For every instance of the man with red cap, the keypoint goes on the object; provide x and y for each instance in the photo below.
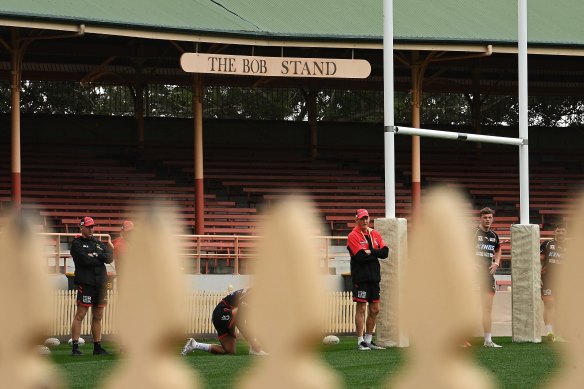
(366, 247)
(120, 242)
(90, 256)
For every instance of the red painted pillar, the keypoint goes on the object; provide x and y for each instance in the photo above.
(199, 188)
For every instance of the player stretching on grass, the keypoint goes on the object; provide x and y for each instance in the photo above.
(226, 317)
(488, 253)
(551, 253)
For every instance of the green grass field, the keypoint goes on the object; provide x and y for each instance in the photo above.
(514, 366)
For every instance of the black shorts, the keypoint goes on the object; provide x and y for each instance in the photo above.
(366, 292)
(487, 280)
(546, 287)
(224, 320)
(91, 296)
(488, 284)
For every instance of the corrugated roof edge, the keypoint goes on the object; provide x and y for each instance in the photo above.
(164, 28)
(277, 36)
(499, 42)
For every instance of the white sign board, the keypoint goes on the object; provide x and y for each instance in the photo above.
(274, 66)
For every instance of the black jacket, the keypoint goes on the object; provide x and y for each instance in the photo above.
(365, 267)
(90, 256)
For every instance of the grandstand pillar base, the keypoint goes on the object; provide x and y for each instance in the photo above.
(526, 275)
(390, 330)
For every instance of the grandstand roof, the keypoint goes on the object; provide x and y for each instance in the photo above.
(123, 36)
(555, 23)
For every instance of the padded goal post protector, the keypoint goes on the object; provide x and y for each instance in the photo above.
(527, 306)
(390, 330)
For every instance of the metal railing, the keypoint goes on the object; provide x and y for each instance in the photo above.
(57, 254)
(235, 248)
(203, 249)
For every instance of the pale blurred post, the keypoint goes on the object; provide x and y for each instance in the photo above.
(526, 275)
(390, 330)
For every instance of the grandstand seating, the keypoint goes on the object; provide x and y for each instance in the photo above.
(62, 183)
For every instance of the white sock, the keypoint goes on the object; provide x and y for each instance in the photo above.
(203, 346)
(548, 328)
(359, 339)
(368, 338)
(488, 337)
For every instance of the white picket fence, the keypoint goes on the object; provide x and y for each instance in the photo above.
(339, 312)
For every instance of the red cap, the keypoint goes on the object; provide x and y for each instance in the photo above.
(127, 225)
(86, 222)
(361, 213)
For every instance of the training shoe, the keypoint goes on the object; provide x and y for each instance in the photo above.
(550, 337)
(491, 344)
(76, 352)
(363, 346)
(373, 346)
(189, 346)
(100, 351)
(261, 352)
(553, 338)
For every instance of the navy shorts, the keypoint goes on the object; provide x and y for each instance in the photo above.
(366, 292)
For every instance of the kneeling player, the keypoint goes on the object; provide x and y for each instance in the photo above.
(225, 320)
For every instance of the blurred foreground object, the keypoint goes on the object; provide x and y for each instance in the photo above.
(441, 303)
(287, 304)
(569, 307)
(152, 297)
(25, 314)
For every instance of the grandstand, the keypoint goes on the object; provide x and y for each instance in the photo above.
(99, 117)
(105, 121)
(64, 182)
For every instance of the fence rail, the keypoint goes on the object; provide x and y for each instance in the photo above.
(339, 313)
(205, 251)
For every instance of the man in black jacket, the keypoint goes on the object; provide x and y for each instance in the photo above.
(90, 256)
(366, 247)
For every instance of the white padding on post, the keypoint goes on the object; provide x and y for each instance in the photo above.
(390, 330)
(526, 278)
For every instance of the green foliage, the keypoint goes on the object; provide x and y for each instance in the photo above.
(224, 102)
(252, 103)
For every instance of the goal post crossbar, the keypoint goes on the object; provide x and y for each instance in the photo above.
(461, 136)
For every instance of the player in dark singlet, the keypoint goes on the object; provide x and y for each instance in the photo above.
(551, 254)
(488, 256)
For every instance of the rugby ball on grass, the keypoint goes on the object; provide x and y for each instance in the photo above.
(52, 342)
(330, 339)
(43, 350)
(81, 341)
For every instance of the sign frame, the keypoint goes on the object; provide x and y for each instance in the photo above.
(242, 65)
